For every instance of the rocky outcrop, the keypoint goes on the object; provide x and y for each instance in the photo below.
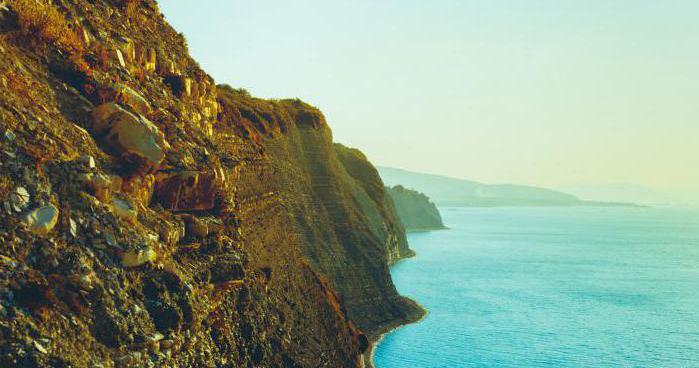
(132, 136)
(415, 210)
(153, 219)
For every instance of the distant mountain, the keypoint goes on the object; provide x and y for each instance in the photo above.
(446, 191)
(621, 192)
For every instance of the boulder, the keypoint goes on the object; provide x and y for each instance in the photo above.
(187, 191)
(41, 220)
(136, 138)
(102, 186)
(196, 227)
(199, 227)
(138, 257)
(124, 210)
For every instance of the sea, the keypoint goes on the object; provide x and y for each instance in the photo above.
(551, 287)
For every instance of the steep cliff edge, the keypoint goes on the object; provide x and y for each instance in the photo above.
(415, 210)
(343, 218)
(378, 207)
(150, 219)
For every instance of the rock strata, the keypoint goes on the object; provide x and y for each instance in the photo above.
(188, 191)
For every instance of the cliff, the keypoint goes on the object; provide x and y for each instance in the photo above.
(382, 216)
(415, 209)
(344, 221)
(151, 218)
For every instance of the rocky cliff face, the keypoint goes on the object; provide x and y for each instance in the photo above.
(376, 203)
(150, 218)
(341, 217)
(415, 210)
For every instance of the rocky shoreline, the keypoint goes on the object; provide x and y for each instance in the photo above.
(368, 358)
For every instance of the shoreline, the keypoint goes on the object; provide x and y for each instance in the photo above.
(425, 229)
(368, 356)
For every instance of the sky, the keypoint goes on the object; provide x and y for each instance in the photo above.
(554, 93)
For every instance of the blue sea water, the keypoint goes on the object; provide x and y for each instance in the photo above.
(552, 287)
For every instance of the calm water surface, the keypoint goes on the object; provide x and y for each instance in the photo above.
(552, 287)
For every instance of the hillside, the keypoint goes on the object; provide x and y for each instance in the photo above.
(623, 193)
(446, 191)
(153, 218)
(415, 210)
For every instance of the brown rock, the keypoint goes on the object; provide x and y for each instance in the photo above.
(167, 344)
(128, 97)
(140, 189)
(103, 186)
(187, 191)
(197, 227)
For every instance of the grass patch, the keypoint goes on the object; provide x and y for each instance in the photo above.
(40, 20)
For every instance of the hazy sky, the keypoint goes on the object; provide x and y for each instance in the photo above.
(542, 92)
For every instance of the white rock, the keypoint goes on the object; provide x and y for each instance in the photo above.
(102, 185)
(130, 134)
(10, 135)
(138, 257)
(40, 348)
(121, 58)
(124, 210)
(73, 228)
(20, 199)
(41, 220)
(88, 161)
